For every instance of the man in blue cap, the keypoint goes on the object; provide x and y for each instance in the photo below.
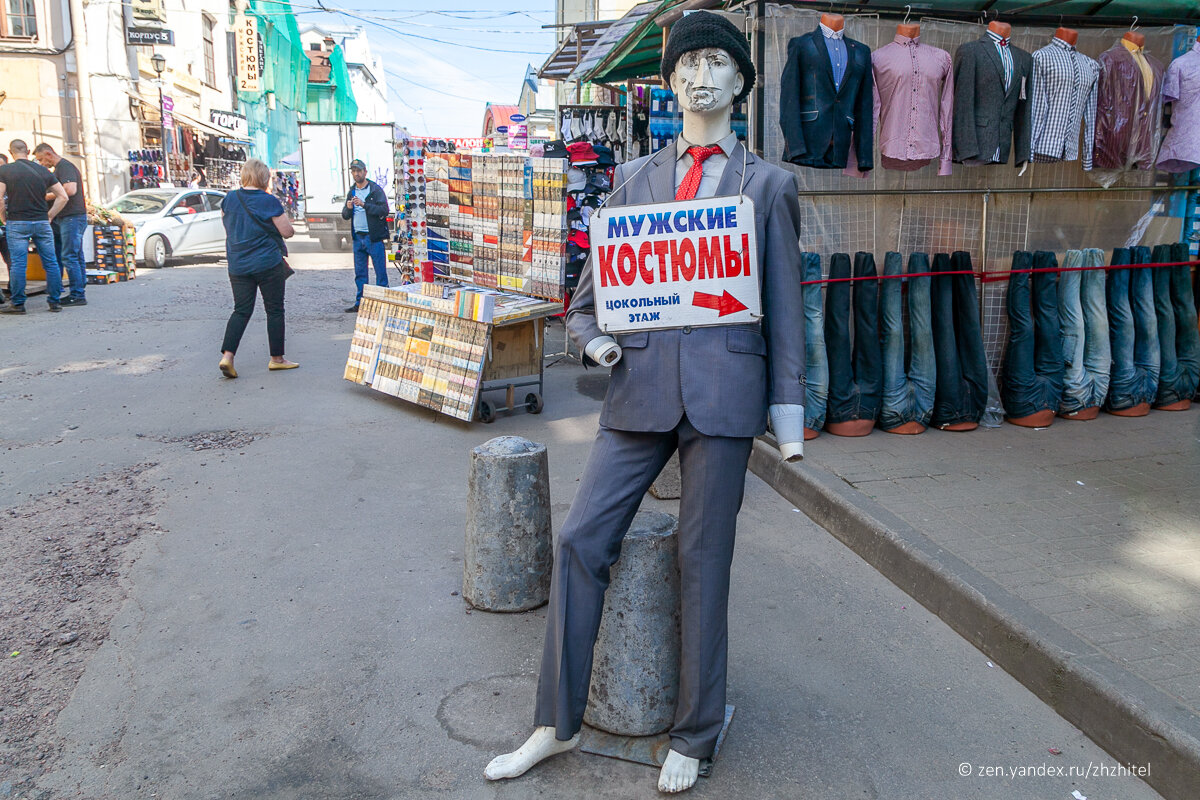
(367, 207)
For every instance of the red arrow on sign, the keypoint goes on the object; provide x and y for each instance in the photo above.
(724, 304)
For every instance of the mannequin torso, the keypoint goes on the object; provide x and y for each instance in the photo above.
(908, 31)
(1001, 29)
(1067, 35)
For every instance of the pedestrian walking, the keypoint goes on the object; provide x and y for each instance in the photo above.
(367, 206)
(3, 237)
(255, 227)
(70, 223)
(27, 217)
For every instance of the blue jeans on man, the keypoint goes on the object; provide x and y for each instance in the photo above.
(68, 243)
(1083, 321)
(855, 369)
(1178, 338)
(364, 248)
(1133, 328)
(20, 234)
(908, 385)
(1032, 371)
(816, 393)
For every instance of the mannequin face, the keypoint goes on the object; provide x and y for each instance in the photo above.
(706, 80)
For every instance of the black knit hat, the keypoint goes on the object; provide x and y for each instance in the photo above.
(701, 29)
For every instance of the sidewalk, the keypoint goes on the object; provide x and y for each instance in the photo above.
(1071, 555)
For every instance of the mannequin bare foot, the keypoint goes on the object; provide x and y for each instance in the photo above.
(679, 773)
(538, 747)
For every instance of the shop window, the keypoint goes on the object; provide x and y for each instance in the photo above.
(210, 63)
(18, 19)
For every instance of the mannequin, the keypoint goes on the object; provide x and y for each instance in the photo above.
(835, 22)
(708, 64)
(1001, 29)
(1067, 35)
(908, 30)
(1135, 38)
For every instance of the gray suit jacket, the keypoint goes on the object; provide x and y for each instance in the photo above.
(722, 377)
(985, 116)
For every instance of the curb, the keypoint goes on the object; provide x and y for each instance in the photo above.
(1135, 722)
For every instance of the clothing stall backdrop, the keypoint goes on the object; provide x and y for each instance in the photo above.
(989, 211)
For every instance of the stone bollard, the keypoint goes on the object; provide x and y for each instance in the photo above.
(669, 483)
(635, 672)
(508, 555)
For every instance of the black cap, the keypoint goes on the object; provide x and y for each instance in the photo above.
(701, 29)
(358, 163)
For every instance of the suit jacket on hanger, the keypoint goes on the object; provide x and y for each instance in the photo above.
(1127, 119)
(818, 120)
(987, 119)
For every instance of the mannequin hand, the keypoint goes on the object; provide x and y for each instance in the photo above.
(1024, 167)
(787, 421)
(604, 350)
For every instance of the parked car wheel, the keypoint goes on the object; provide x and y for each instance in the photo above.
(156, 252)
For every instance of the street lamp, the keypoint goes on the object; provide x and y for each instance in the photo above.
(160, 66)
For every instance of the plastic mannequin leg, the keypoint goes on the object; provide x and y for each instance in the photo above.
(1082, 415)
(907, 429)
(853, 427)
(1139, 410)
(1041, 419)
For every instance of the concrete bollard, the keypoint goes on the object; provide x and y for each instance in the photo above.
(508, 554)
(635, 672)
(669, 483)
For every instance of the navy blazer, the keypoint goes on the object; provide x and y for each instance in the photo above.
(723, 377)
(819, 120)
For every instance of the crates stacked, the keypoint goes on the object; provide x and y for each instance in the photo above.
(485, 186)
(112, 252)
(462, 217)
(549, 230)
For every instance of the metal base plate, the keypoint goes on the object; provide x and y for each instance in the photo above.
(648, 750)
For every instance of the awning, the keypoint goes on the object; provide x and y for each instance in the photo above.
(204, 126)
(630, 48)
(1149, 12)
(579, 42)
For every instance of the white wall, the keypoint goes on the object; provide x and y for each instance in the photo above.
(367, 77)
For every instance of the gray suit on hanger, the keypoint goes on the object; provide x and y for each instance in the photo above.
(987, 118)
(703, 391)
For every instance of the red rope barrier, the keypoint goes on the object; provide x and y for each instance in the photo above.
(996, 277)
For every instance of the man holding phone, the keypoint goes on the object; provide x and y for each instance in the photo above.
(367, 207)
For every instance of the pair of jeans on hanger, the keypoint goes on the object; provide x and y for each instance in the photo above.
(855, 369)
(817, 369)
(1178, 338)
(1133, 330)
(962, 371)
(908, 384)
(1031, 375)
(1083, 320)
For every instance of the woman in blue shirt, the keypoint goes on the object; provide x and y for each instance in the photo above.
(255, 227)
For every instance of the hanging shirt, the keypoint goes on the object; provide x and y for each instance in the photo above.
(836, 46)
(1006, 58)
(1128, 120)
(1064, 98)
(1139, 56)
(713, 167)
(914, 104)
(1181, 86)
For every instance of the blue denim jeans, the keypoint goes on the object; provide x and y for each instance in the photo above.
(817, 370)
(1178, 339)
(20, 233)
(1083, 320)
(908, 384)
(962, 370)
(1133, 329)
(364, 248)
(855, 371)
(68, 246)
(1031, 377)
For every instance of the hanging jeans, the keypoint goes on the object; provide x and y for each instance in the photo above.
(817, 370)
(1178, 338)
(1083, 320)
(908, 386)
(1031, 377)
(1133, 329)
(962, 371)
(855, 372)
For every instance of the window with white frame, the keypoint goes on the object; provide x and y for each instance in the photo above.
(18, 19)
(210, 63)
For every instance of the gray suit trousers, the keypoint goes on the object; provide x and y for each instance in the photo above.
(619, 471)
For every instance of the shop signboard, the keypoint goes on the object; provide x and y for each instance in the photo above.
(249, 55)
(230, 120)
(672, 265)
(148, 36)
(168, 105)
(516, 117)
(149, 10)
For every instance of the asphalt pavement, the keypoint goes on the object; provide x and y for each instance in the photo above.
(294, 629)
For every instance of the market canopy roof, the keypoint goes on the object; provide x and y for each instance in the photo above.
(630, 48)
(578, 43)
(1147, 11)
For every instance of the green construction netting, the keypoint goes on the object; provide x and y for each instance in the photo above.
(285, 76)
(333, 102)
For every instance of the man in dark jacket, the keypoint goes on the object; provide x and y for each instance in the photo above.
(367, 208)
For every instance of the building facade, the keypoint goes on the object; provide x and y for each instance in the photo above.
(368, 81)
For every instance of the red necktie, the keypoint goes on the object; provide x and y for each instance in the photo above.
(691, 181)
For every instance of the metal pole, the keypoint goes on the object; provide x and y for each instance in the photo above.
(162, 133)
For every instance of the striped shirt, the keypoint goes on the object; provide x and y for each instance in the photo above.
(1006, 58)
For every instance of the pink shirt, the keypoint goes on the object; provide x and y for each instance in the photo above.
(1181, 87)
(914, 104)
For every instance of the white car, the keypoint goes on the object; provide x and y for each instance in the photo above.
(173, 222)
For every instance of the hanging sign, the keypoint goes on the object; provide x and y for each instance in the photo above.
(516, 117)
(148, 36)
(168, 105)
(249, 63)
(151, 10)
(501, 129)
(670, 265)
(229, 120)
